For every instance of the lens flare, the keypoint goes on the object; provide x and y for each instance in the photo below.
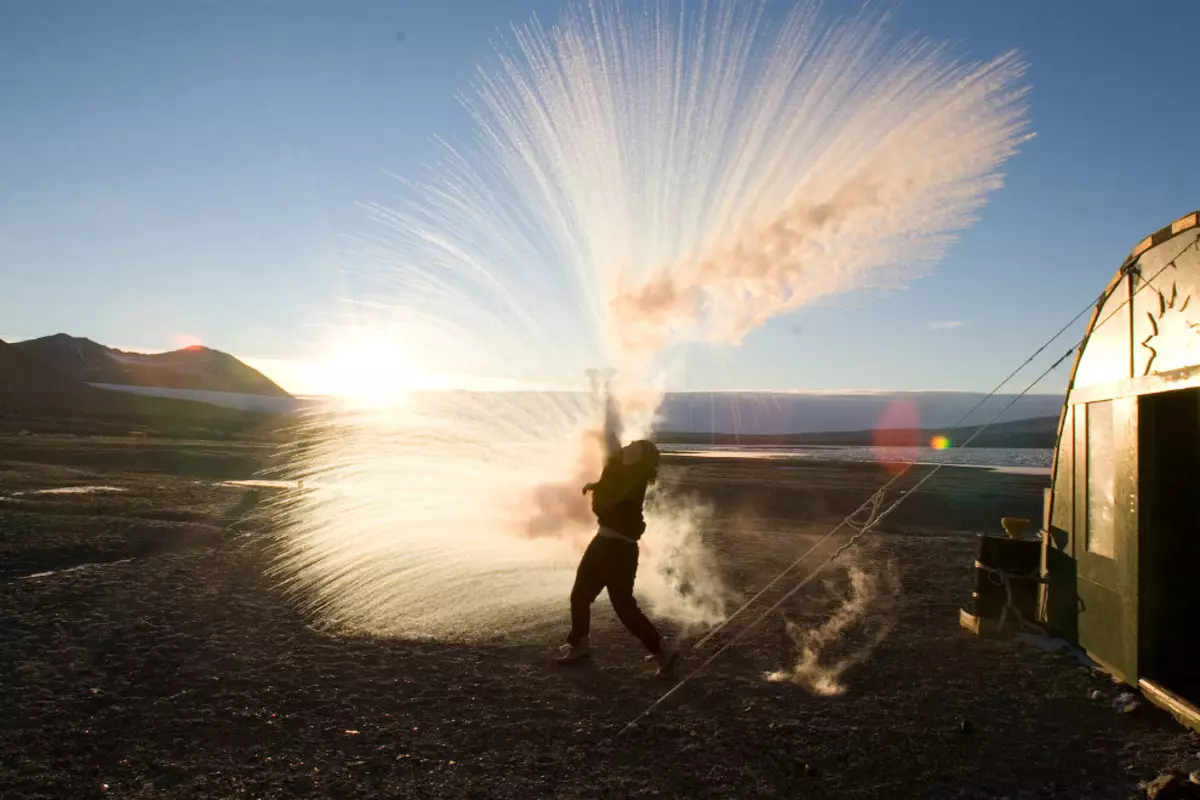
(185, 341)
(898, 432)
(939, 442)
(640, 177)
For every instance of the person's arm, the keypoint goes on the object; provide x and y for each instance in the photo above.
(612, 424)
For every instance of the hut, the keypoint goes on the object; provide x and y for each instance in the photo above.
(1121, 549)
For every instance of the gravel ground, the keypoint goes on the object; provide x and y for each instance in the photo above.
(181, 673)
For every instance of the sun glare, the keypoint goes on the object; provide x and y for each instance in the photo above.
(371, 372)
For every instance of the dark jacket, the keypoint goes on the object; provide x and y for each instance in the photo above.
(618, 496)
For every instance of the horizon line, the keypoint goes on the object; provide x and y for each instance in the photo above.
(584, 390)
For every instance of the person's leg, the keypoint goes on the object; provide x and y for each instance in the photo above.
(589, 580)
(622, 570)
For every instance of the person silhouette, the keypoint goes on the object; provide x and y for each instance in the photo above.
(611, 559)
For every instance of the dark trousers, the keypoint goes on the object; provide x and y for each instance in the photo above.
(612, 564)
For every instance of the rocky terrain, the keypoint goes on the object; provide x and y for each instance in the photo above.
(170, 667)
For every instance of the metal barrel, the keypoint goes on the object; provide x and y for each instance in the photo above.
(1000, 559)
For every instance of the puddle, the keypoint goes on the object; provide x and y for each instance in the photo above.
(1006, 470)
(66, 490)
(52, 572)
(263, 484)
(1023, 470)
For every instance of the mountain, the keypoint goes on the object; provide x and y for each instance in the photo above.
(36, 398)
(28, 383)
(193, 368)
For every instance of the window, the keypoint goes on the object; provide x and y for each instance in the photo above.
(1101, 480)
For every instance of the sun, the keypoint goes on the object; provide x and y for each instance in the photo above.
(370, 371)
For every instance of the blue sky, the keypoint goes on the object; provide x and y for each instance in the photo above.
(192, 169)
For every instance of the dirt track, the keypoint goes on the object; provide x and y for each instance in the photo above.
(181, 674)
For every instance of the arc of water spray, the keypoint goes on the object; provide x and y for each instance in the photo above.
(640, 178)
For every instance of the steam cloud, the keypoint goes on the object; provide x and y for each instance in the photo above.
(847, 638)
(914, 157)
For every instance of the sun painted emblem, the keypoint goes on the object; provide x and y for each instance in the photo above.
(1174, 340)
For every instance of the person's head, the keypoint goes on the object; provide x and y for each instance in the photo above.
(643, 457)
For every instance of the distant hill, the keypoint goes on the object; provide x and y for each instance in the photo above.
(193, 368)
(37, 398)
(28, 383)
(1038, 432)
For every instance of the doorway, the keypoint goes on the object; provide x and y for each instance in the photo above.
(1169, 541)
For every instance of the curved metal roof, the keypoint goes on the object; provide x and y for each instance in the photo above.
(1147, 321)
(1144, 334)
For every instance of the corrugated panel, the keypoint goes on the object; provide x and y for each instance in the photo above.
(1166, 313)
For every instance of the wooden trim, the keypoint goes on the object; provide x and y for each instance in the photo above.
(1127, 533)
(1183, 378)
(1079, 487)
(1129, 295)
(1163, 235)
(988, 628)
(1172, 703)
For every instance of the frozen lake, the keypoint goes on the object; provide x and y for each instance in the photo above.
(1016, 460)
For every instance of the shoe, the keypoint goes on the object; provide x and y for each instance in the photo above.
(573, 654)
(667, 660)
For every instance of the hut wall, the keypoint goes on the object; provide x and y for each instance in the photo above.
(1144, 338)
